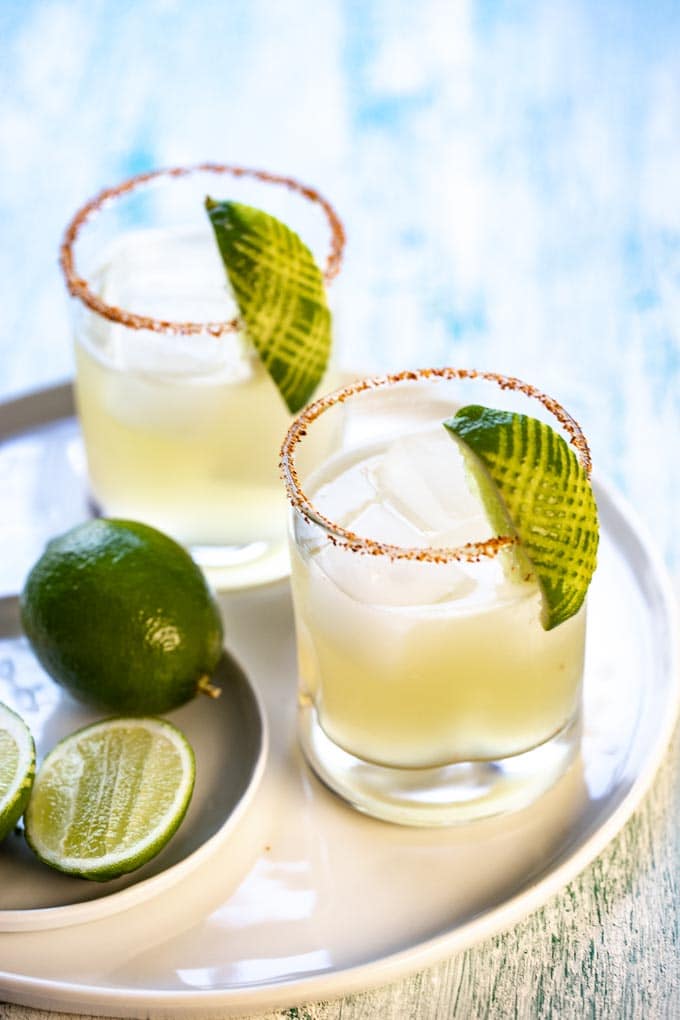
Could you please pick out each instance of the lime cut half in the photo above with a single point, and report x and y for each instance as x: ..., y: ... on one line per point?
x: 108, y: 798
x: 280, y: 296
x: 534, y: 487
x: 17, y: 768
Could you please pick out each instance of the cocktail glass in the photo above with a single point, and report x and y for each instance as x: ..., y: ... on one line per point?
x: 429, y: 692
x: 181, y: 422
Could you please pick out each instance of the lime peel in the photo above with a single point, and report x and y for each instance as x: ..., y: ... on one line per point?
x: 109, y: 797
x: 120, y: 615
x: 280, y: 295
x: 17, y: 768
x: 533, y: 485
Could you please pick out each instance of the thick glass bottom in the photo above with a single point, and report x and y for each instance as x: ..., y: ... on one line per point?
x: 227, y: 567
x: 242, y: 566
x: 446, y: 795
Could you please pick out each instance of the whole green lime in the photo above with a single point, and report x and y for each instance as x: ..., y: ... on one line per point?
x: 121, y: 616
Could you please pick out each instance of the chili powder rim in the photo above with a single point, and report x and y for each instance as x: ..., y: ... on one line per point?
x: 80, y: 289
x: 340, y: 536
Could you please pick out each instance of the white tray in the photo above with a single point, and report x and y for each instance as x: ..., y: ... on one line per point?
x: 308, y: 899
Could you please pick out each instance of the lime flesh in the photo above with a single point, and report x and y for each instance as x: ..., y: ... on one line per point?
x: 17, y: 768
x: 108, y: 798
x: 120, y: 615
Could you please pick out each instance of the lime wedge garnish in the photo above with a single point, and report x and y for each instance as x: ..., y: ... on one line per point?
x: 109, y: 797
x: 533, y: 485
x: 280, y: 296
x: 17, y: 768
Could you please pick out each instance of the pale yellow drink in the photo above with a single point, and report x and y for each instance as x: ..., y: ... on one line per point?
x: 182, y: 432
x: 414, y: 664
x: 181, y: 420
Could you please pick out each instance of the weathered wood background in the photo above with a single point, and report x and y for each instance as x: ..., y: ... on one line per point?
x: 508, y: 174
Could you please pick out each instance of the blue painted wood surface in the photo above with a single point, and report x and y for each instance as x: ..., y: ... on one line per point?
x: 509, y: 175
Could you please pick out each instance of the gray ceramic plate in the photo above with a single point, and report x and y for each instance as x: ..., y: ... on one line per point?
x: 228, y: 735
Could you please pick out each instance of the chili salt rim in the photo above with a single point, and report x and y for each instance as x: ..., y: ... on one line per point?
x: 471, y: 551
x: 80, y: 289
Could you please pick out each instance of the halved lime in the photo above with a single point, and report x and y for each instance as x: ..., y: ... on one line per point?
x: 534, y: 487
x: 17, y: 768
x: 280, y: 296
x: 108, y: 798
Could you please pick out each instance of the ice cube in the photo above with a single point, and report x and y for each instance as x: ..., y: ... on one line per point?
x: 176, y: 276
x: 384, y: 523
x: 345, y: 495
x: 423, y: 477
x: 168, y: 274
x: 217, y: 360
x: 381, y: 581
x: 413, y: 495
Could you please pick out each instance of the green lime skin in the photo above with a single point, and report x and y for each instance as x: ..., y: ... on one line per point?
x: 121, y: 616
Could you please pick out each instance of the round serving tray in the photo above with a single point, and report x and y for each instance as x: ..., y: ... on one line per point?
x: 308, y: 899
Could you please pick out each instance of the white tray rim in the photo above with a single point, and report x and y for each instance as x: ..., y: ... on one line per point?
x: 127, y: 1002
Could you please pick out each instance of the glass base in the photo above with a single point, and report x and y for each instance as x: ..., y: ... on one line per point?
x: 228, y: 567
x: 446, y: 795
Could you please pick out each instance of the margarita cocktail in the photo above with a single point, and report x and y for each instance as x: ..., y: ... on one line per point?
x: 429, y: 690
x: 181, y: 419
